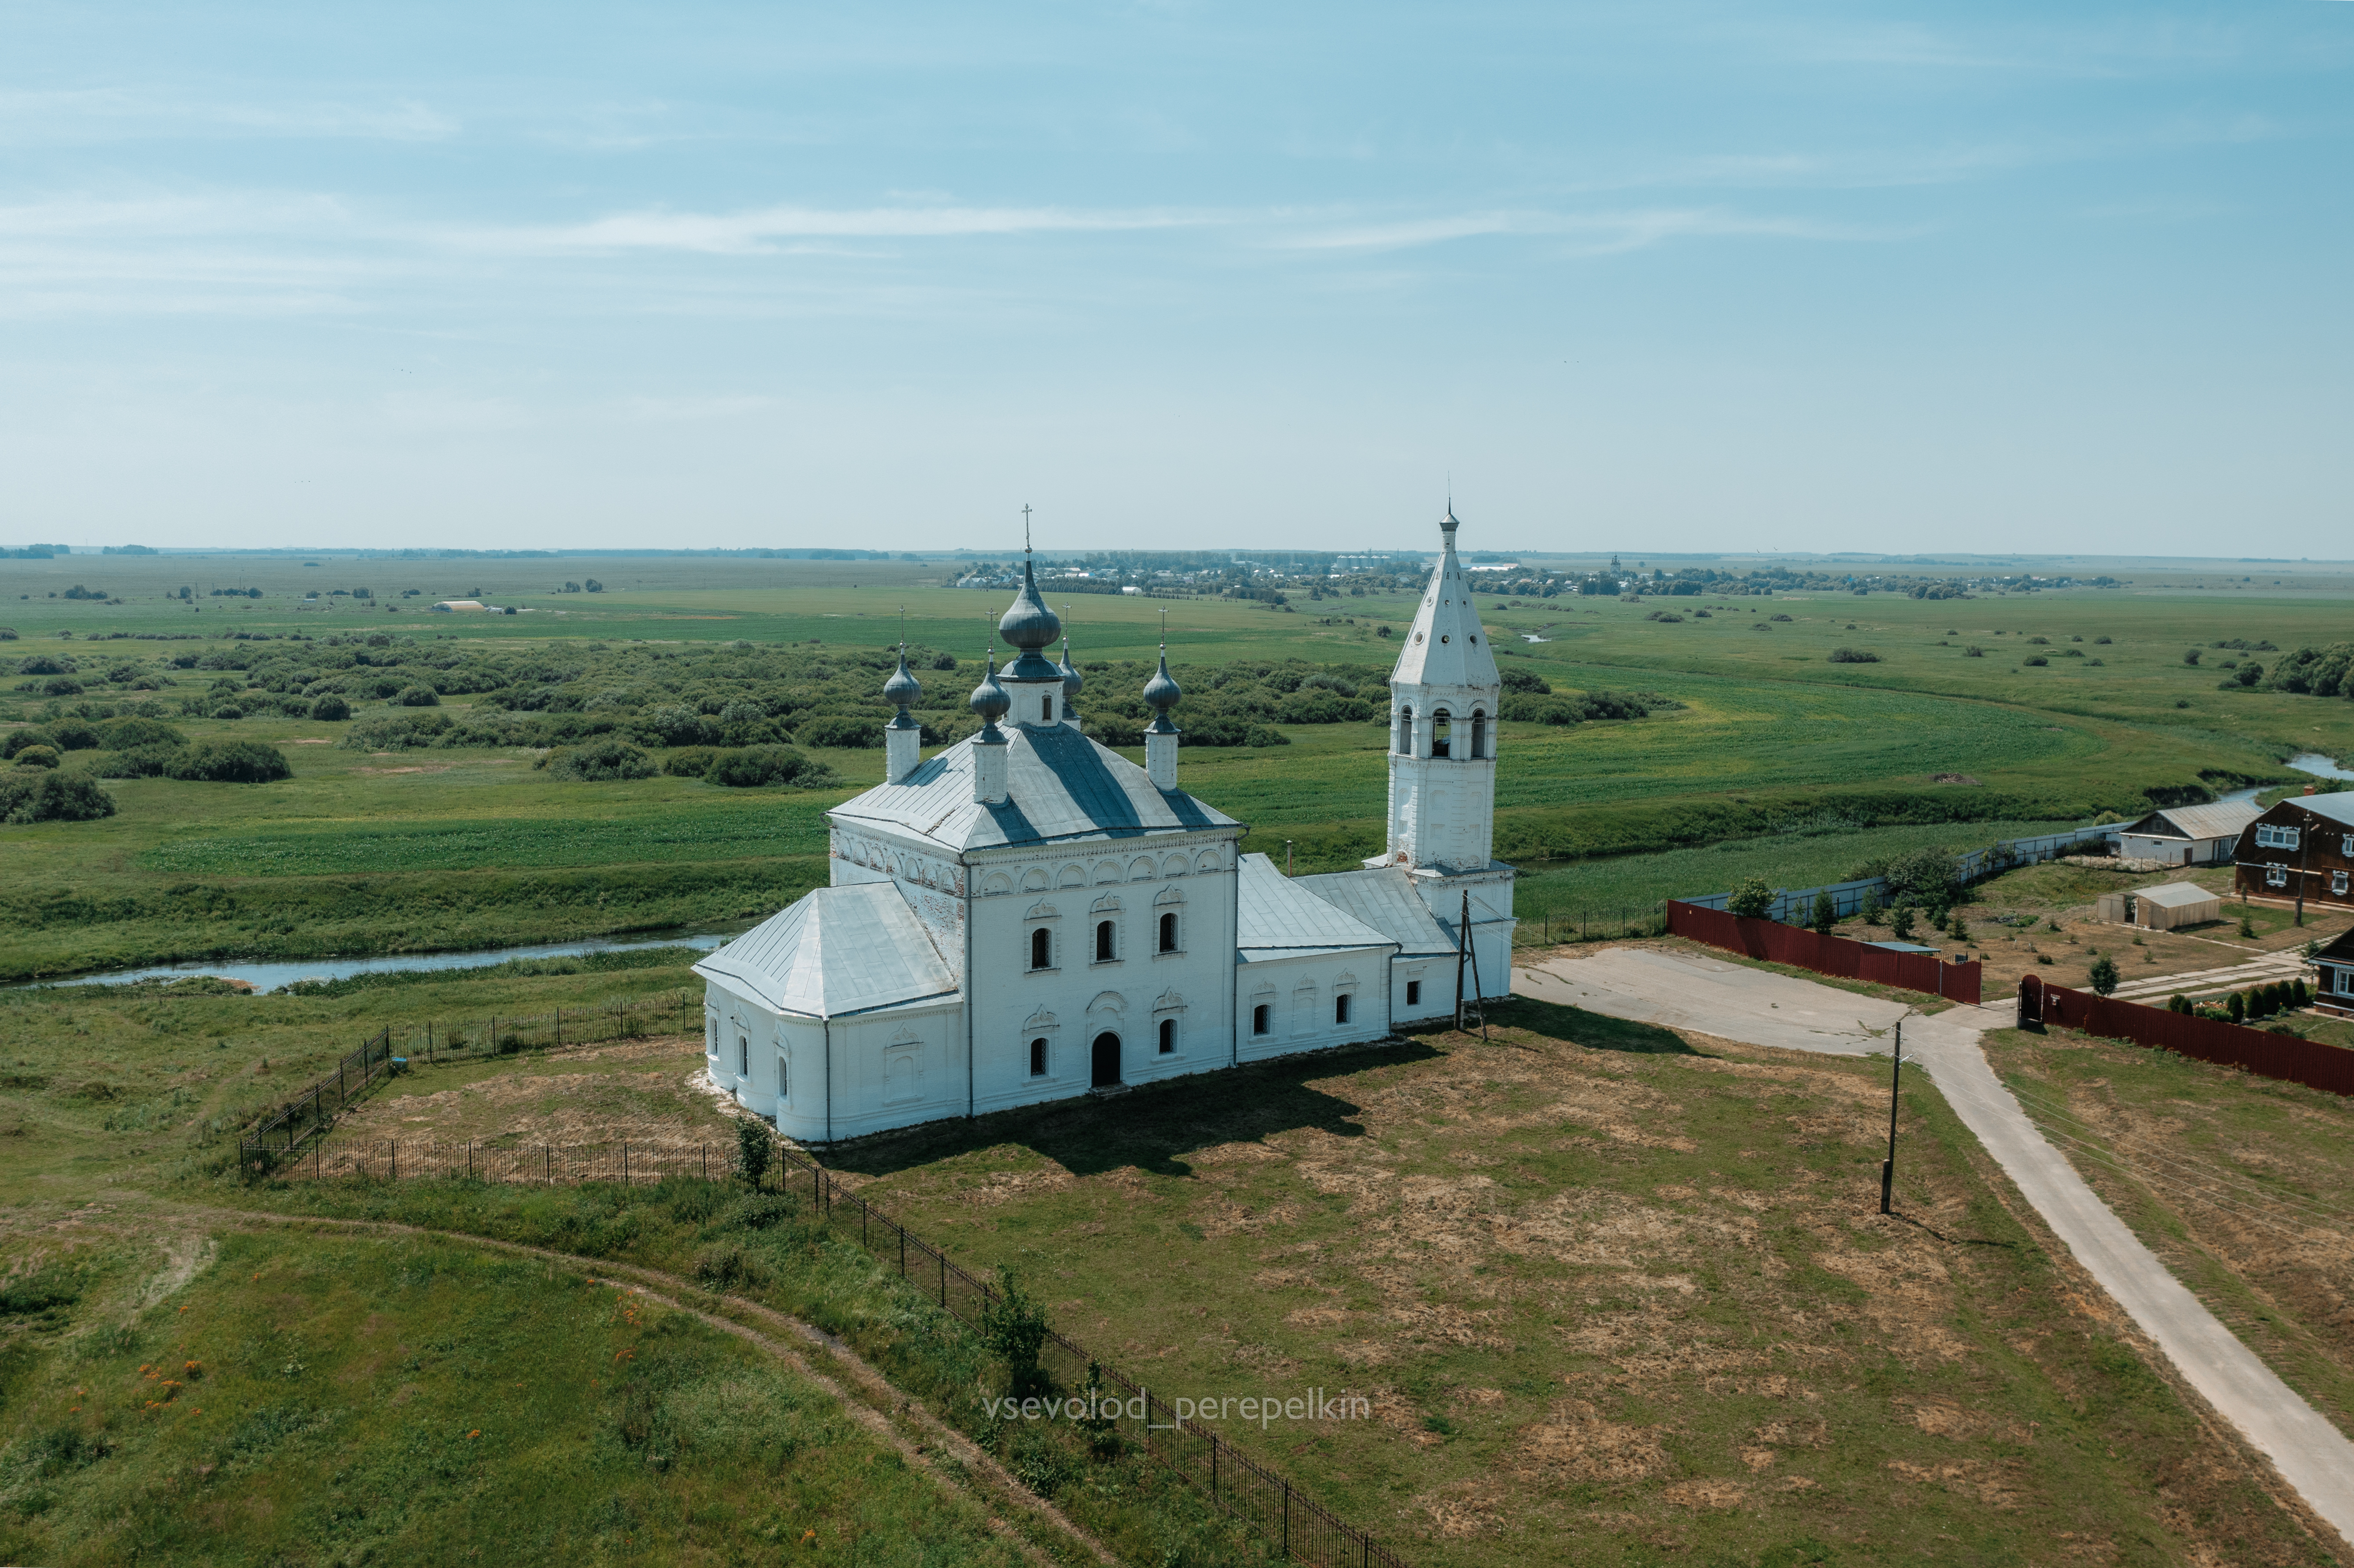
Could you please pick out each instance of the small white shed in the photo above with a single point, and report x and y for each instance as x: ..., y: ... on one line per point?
x: 2162, y: 909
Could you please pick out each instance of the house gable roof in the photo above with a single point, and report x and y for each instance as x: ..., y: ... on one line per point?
x: 1383, y: 898
x: 2223, y: 820
x: 1274, y: 911
x: 1059, y: 784
x: 832, y: 951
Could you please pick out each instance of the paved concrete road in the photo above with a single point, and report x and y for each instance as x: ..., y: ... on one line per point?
x: 1728, y: 999
x: 2198, y: 982
x: 1765, y: 1009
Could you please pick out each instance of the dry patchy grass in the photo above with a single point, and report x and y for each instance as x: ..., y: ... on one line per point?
x: 1601, y: 1288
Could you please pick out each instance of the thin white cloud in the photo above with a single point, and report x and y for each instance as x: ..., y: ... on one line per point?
x: 759, y: 230
x: 1589, y: 233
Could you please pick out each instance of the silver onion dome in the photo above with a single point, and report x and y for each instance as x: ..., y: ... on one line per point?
x: 1072, y: 679
x: 989, y: 699
x: 1029, y: 626
x: 1161, y: 694
x: 903, y: 690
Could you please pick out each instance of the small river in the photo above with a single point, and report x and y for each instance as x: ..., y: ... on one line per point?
x: 278, y: 974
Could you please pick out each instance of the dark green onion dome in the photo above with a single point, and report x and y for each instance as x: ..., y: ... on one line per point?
x: 989, y: 699
x: 1072, y: 679
x: 1161, y: 694
x: 1029, y: 626
x: 904, y: 691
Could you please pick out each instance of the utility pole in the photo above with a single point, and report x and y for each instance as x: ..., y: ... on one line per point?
x: 1888, y: 1166
x: 1462, y: 950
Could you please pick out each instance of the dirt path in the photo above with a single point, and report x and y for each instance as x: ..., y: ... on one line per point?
x: 865, y: 1396
x: 1758, y: 1006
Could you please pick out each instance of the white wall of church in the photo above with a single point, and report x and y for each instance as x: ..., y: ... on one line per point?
x: 1079, y: 994
x: 890, y: 1068
x: 1300, y: 998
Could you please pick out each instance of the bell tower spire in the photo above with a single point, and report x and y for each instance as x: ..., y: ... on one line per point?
x: 1444, y: 695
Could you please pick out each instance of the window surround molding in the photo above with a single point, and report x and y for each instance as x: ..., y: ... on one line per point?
x: 2276, y: 876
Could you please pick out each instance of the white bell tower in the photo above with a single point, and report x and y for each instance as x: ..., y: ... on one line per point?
x: 1444, y: 697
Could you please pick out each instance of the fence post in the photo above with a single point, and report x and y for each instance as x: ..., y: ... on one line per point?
x: 1287, y: 1519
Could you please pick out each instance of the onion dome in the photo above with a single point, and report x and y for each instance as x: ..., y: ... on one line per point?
x: 1029, y: 626
x: 904, y: 691
x: 1072, y: 679
x: 989, y: 699
x: 1161, y: 694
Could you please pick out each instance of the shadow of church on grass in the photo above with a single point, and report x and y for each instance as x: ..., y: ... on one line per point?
x: 1152, y: 1127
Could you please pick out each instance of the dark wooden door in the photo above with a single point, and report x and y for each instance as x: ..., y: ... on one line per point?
x: 1106, y: 1063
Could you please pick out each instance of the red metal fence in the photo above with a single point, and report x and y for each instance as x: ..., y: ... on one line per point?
x: 1840, y: 955
x: 2257, y: 1050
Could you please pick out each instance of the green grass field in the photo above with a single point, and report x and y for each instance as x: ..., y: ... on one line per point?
x: 278, y: 1398
x: 1773, y: 748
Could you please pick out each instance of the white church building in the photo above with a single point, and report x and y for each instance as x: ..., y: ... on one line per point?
x: 1027, y: 915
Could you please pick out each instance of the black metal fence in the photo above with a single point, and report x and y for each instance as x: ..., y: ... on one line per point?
x: 1305, y: 1530
x: 292, y: 1132
x: 1591, y: 923
x: 298, y: 1125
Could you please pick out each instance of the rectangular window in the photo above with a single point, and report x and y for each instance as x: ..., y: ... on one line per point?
x: 1046, y: 710
x: 2272, y: 835
x: 743, y: 1056
x: 711, y: 1048
x: 2346, y: 847
x: 1341, y: 1009
x: 2275, y: 876
x: 2346, y: 982
x: 2338, y: 883
x: 1413, y: 994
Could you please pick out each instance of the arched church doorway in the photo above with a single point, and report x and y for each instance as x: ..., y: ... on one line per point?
x: 1107, y: 1063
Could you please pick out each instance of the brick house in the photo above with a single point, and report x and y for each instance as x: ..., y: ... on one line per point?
x: 2302, y: 847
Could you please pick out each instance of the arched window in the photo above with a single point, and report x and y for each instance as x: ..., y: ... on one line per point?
x: 1341, y: 1008
x: 1042, y: 949
x: 1260, y: 1019
x: 1103, y: 942
x: 784, y: 1078
x: 1168, y: 1036
x: 743, y: 1056
x: 1478, y: 733
x: 1402, y: 744
x: 1169, y: 932
x: 1038, y: 1057
x: 1442, y: 733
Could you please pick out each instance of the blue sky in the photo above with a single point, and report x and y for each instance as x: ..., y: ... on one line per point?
x: 1658, y: 277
